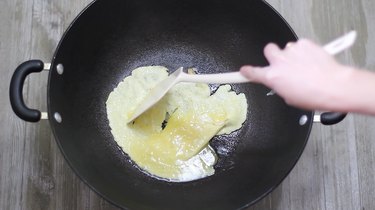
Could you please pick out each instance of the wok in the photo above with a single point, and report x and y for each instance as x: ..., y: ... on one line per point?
x: 112, y: 37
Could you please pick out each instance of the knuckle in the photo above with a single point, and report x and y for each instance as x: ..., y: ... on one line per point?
x: 268, y: 48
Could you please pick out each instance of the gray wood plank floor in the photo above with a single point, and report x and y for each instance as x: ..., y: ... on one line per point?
x: 336, y: 171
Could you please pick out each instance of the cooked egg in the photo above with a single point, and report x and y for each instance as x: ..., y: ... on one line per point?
x: 171, y: 140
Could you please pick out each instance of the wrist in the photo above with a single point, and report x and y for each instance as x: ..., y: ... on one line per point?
x: 341, y: 89
x: 354, y: 91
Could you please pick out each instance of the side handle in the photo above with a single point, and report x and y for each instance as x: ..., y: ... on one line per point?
x: 16, y: 87
x: 330, y: 118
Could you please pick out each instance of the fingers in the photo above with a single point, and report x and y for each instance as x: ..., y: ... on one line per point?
x: 272, y: 52
x: 275, y: 56
x: 259, y: 74
x: 255, y: 74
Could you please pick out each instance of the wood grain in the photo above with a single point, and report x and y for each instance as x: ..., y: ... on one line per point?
x: 336, y: 171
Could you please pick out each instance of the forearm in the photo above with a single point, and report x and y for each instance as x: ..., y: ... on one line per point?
x: 355, y: 93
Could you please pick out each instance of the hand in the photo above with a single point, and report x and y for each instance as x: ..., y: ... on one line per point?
x: 303, y: 74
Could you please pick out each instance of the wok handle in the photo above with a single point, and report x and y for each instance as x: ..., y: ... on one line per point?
x: 15, y: 90
x: 330, y: 118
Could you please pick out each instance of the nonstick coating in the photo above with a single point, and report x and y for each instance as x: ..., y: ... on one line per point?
x: 112, y: 37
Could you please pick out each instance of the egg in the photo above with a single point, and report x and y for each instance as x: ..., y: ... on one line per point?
x: 171, y: 140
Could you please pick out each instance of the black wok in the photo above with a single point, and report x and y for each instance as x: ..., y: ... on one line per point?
x: 112, y: 37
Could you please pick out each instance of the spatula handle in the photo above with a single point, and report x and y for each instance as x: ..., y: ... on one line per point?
x: 224, y: 78
x: 341, y: 43
x: 332, y: 48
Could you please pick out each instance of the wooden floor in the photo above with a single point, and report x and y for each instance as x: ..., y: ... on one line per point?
x: 336, y: 171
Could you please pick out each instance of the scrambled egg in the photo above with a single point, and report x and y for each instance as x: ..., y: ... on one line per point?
x: 170, y: 140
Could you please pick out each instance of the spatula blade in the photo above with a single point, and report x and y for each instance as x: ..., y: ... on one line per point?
x: 156, y: 94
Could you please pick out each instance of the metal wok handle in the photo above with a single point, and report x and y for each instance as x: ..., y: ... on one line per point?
x: 15, y: 91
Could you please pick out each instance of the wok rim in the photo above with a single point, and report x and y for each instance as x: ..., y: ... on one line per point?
x: 108, y: 199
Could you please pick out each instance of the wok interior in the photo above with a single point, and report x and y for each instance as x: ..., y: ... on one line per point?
x: 113, y: 37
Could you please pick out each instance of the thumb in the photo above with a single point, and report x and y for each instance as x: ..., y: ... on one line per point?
x: 254, y: 74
